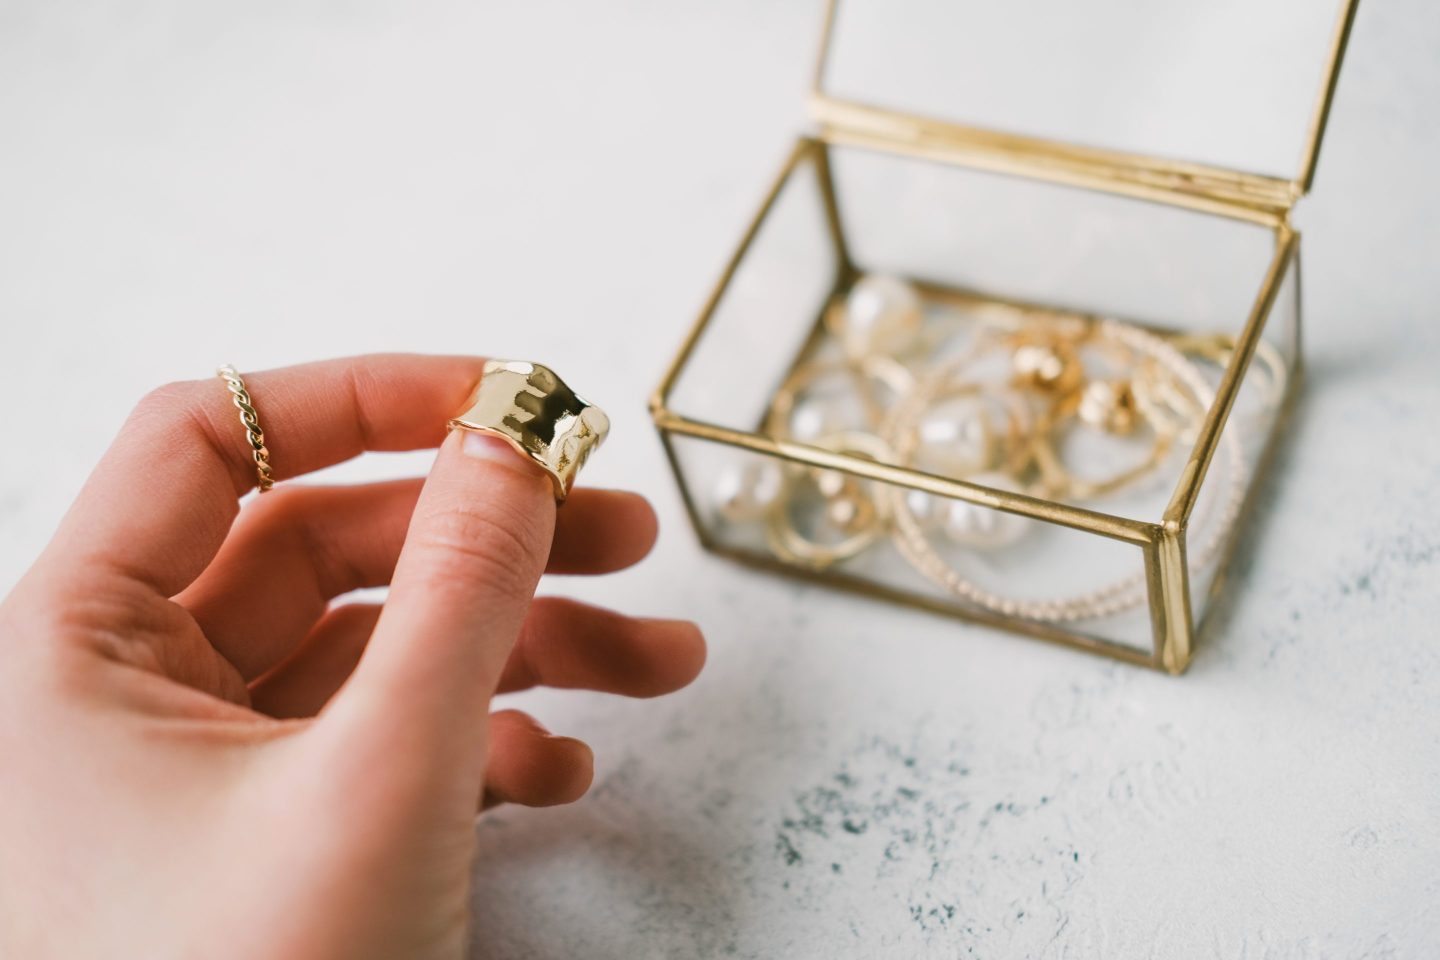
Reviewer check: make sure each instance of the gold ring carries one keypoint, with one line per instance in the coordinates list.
(530, 408)
(785, 538)
(250, 420)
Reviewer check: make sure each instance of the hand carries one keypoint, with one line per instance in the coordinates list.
(201, 757)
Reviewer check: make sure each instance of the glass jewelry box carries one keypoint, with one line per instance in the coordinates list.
(988, 347)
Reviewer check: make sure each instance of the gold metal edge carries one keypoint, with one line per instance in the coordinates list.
(1192, 475)
(1065, 515)
(691, 510)
(844, 264)
(1168, 576)
(822, 55)
(1155, 601)
(1215, 190)
(1262, 470)
(1229, 192)
(804, 147)
(1320, 118)
(867, 588)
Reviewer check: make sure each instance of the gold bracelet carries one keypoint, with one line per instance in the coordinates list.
(785, 538)
(250, 420)
(889, 373)
(1107, 600)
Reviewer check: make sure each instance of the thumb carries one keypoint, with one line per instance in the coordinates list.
(476, 547)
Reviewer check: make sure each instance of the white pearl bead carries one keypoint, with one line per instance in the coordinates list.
(811, 420)
(831, 483)
(850, 513)
(976, 526)
(929, 511)
(883, 314)
(956, 438)
(745, 491)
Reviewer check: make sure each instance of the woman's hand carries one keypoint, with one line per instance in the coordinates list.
(201, 757)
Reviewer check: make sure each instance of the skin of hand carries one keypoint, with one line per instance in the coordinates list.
(202, 756)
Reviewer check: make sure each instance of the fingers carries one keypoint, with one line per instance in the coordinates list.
(293, 551)
(562, 644)
(601, 531)
(530, 766)
(476, 548)
(303, 684)
(526, 764)
(161, 500)
(570, 644)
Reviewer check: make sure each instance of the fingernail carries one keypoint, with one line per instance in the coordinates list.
(482, 446)
(569, 741)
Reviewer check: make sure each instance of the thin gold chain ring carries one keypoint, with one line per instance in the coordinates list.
(250, 420)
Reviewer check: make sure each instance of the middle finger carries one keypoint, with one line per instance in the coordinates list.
(293, 551)
(563, 644)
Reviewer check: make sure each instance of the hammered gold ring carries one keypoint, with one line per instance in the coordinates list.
(250, 420)
(530, 408)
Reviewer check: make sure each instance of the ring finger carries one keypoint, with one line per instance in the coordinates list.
(562, 644)
(293, 551)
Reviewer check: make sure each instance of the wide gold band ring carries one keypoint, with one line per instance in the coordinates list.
(250, 420)
(530, 408)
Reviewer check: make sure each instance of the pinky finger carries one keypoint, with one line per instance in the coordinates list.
(530, 766)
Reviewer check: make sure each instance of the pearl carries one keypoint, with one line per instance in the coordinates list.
(831, 483)
(811, 420)
(957, 438)
(744, 492)
(1047, 366)
(976, 526)
(928, 510)
(883, 315)
(850, 513)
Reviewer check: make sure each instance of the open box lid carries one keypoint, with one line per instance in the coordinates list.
(1205, 104)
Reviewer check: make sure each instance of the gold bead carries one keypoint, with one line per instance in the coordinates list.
(1110, 405)
(851, 512)
(1050, 366)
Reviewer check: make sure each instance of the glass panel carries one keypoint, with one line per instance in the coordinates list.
(1049, 244)
(1226, 82)
(1046, 340)
(765, 313)
(1249, 436)
(1010, 273)
(945, 553)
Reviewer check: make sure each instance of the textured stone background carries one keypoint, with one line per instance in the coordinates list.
(186, 183)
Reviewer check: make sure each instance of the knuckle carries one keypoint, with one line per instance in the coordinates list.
(168, 401)
(195, 412)
(282, 519)
(284, 506)
(179, 407)
(489, 541)
(59, 643)
(509, 719)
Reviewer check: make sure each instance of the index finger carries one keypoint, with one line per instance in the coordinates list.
(162, 499)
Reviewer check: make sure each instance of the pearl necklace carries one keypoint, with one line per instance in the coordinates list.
(1108, 600)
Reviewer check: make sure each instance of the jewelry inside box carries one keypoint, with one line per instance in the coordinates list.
(1057, 405)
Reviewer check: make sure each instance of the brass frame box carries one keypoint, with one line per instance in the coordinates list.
(1163, 569)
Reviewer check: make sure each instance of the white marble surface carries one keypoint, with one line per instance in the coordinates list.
(183, 183)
